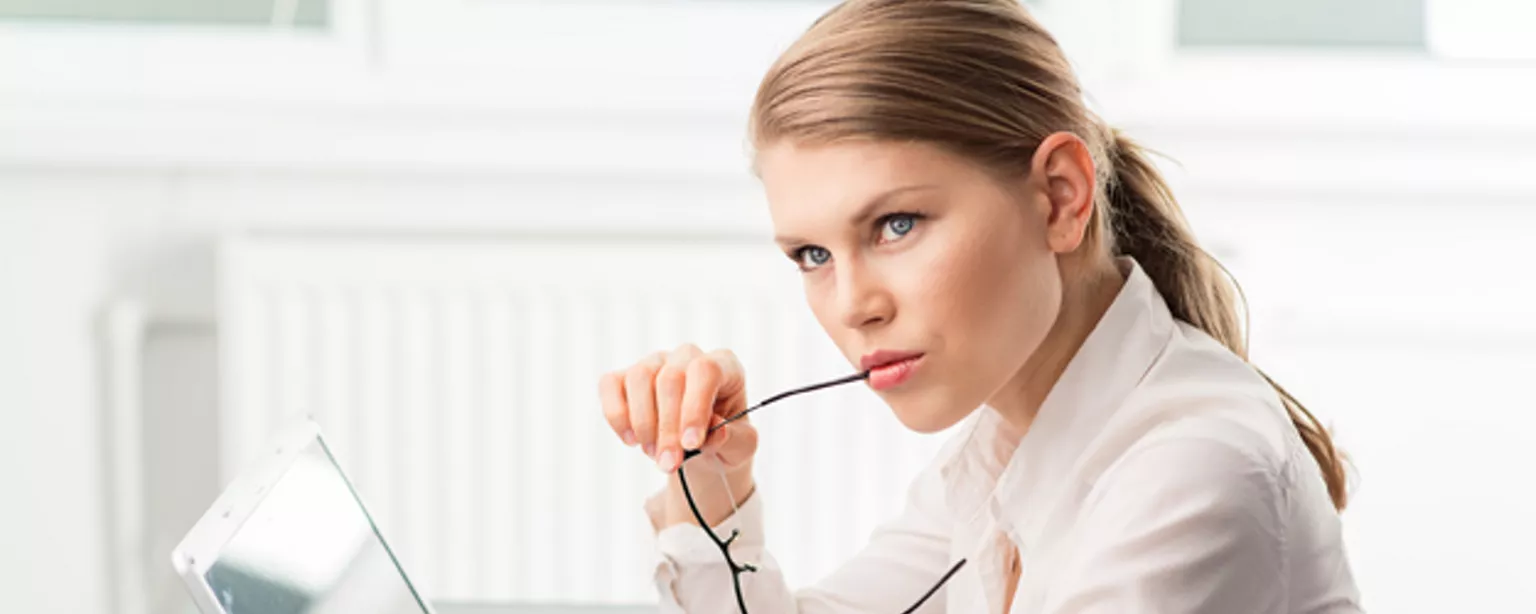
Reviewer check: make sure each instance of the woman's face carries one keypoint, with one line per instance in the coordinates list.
(906, 248)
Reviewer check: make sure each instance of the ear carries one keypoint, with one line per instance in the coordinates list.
(1063, 167)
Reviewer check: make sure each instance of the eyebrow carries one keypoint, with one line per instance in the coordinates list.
(865, 212)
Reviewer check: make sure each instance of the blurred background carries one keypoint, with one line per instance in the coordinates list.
(432, 223)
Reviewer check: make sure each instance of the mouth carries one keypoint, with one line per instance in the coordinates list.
(889, 369)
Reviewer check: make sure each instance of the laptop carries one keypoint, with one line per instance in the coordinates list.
(291, 536)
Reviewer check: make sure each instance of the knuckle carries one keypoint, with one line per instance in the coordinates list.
(639, 374)
(610, 382)
(687, 350)
(670, 378)
(666, 431)
(616, 413)
(706, 368)
(727, 359)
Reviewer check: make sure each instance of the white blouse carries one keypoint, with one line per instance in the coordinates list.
(1161, 474)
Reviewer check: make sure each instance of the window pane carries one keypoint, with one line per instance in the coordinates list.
(1302, 23)
(306, 13)
(1485, 29)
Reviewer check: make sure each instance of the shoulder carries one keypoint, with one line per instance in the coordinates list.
(1200, 393)
(1186, 469)
(1202, 422)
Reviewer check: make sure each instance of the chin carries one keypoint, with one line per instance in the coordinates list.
(926, 417)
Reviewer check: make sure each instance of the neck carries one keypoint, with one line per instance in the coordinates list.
(1082, 304)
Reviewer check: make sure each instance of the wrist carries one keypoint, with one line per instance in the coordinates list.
(717, 500)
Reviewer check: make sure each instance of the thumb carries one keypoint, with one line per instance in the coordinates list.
(736, 445)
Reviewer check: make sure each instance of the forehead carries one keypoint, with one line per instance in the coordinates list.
(813, 184)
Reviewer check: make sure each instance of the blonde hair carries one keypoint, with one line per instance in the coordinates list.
(982, 79)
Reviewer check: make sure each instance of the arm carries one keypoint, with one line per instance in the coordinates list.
(909, 553)
(1186, 526)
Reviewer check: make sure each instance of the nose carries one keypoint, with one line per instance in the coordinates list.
(862, 299)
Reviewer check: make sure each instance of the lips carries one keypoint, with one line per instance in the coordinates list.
(881, 358)
(888, 369)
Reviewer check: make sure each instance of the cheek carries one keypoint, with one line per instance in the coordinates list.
(993, 297)
(988, 274)
(819, 297)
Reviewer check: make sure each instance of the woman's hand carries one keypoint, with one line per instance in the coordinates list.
(666, 403)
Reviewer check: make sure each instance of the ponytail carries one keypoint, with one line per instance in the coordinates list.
(1145, 223)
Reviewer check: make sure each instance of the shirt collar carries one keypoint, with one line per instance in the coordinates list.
(994, 465)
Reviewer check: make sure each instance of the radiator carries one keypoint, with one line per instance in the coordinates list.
(456, 380)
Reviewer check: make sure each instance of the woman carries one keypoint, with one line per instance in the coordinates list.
(990, 252)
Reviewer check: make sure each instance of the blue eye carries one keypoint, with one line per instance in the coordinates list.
(810, 257)
(891, 227)
(898, 224)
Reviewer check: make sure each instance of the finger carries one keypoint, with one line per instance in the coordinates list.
(671, 381)
(717, 438)
(698, 403)
(610, 388)
(639, 392)
(731, 395)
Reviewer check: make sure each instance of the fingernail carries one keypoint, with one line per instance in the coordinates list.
(650, 450)
(668, 460)
(628, 437)
(691, 438)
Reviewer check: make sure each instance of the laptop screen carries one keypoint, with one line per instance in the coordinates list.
(310, 548)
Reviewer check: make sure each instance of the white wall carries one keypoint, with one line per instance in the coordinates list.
(51, 511)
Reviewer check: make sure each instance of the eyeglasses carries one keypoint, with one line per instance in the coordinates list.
(725, 544)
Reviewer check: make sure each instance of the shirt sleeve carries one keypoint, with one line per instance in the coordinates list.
(903, 559)
(1185, 526)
